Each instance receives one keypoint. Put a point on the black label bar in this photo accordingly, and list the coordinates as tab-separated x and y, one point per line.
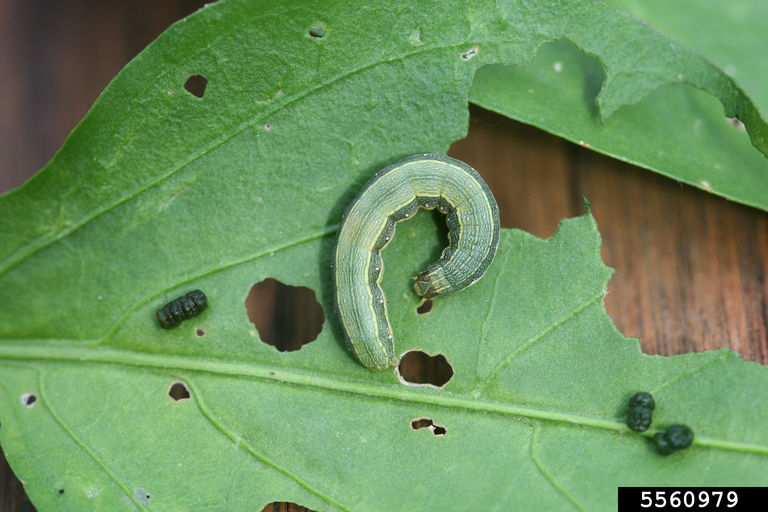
704	499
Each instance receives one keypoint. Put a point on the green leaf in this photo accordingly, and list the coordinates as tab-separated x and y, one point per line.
676	130
159	191
533	415
733	37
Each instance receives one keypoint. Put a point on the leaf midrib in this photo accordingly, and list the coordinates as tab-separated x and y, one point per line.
442	398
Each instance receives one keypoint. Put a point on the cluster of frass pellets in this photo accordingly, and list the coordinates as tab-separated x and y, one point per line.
639	417
181	308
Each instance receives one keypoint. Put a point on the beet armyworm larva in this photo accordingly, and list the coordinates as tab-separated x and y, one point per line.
396	193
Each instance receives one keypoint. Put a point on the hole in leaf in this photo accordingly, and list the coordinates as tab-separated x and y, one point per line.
420	423
195	85
61	491
178	391
317	30
285	506
424	307
200	332
286	317
470	54
417	367
28	399
736	123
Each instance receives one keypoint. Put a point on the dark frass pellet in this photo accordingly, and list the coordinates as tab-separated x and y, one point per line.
639	419
181	308
642	399
640	412
676	437
680	436
662	444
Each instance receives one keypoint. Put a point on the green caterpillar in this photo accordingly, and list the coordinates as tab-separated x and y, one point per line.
396	193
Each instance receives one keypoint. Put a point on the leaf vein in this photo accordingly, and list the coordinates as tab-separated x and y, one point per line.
539	336
314	235
49	238
82	445
240	369
491	306
549	476
685	375
239	442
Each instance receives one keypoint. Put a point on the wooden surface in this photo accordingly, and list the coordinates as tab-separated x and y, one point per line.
690	268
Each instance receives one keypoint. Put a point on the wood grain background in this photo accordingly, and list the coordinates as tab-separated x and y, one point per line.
690	267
